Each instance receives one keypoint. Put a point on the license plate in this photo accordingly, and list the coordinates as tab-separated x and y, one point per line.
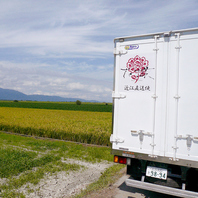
155	172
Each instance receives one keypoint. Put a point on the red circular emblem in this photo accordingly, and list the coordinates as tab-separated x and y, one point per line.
137	67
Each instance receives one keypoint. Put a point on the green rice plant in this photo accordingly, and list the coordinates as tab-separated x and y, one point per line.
79	126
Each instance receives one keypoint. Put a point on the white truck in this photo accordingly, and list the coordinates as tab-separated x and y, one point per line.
155	111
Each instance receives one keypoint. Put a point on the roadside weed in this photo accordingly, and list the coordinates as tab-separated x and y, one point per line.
106	179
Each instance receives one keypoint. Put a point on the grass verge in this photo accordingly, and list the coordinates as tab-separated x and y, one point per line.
26	160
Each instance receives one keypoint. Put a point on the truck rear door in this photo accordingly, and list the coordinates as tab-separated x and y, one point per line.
155	110
182	109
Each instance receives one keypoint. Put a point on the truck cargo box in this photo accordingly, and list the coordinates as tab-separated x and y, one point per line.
155	101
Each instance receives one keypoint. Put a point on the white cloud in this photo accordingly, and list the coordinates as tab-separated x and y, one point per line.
73	86
41	81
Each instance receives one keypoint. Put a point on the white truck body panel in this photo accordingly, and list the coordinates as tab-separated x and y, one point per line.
155	97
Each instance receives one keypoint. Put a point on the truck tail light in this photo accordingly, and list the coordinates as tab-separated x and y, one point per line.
121	160
116	159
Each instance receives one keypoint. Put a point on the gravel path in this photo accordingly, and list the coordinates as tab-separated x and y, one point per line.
64	184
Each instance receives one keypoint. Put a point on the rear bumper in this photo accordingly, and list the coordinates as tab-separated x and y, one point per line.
161	159
161	189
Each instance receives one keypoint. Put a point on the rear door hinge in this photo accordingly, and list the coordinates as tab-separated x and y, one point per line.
116	140
118	95
119	52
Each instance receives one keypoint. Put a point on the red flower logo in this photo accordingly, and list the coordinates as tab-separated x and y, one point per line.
137	67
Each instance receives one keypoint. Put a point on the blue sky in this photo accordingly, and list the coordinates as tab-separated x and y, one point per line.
65	48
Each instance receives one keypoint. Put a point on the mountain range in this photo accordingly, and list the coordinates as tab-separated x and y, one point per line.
9	94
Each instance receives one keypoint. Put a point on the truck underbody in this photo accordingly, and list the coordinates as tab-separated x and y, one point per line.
181	181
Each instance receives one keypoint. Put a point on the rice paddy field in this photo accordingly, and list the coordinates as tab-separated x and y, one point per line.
93	107
87	123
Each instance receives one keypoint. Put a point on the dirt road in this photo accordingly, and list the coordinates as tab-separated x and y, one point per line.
120	190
